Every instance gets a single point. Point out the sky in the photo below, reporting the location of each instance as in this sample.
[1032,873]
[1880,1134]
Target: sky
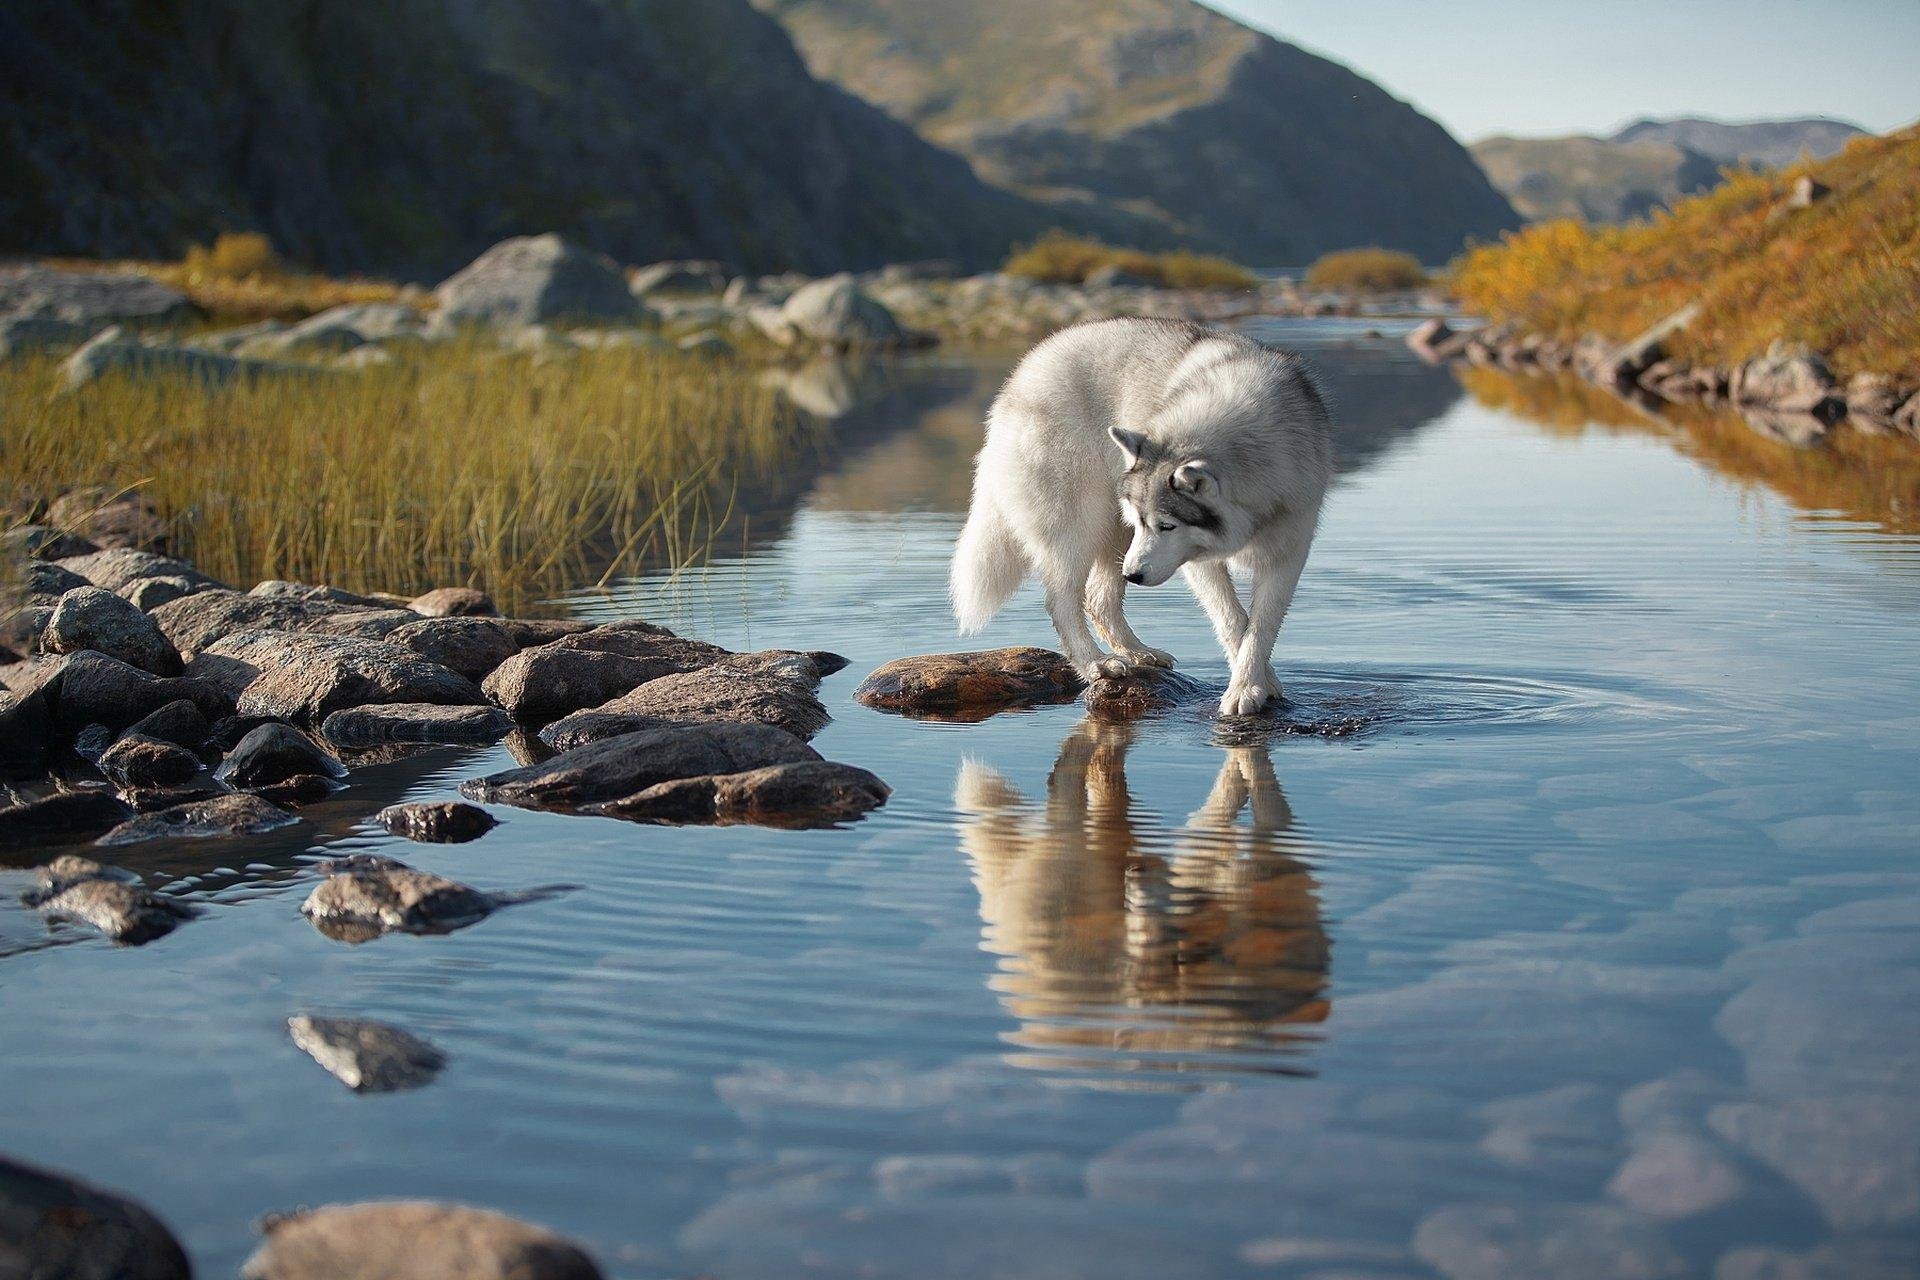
[1543,67]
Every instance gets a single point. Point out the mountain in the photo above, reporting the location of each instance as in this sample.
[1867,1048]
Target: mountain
[1594,179]
[1160,116]
[405,137]
[1768,144]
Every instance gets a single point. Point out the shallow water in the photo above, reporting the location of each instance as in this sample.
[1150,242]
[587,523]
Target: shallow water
[1585,917]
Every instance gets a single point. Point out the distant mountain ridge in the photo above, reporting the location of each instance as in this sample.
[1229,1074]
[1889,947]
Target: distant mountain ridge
[1645,166]
[1165,119]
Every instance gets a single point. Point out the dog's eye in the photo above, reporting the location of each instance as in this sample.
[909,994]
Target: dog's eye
[1168,526]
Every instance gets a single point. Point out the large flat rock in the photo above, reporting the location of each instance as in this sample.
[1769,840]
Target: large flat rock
[614,768]
[970,686]
[306,678]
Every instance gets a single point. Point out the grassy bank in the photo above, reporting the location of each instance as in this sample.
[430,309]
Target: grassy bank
[458,465]
[1841,275]
[240,278]
[1060,258]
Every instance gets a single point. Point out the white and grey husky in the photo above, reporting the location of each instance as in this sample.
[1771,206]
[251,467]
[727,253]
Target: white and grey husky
[1122,450]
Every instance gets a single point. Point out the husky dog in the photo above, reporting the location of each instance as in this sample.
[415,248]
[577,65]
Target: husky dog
[1123,450]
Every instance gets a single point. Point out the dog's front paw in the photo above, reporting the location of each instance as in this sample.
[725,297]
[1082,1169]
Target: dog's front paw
[1104,668]
[1248,699]
[1147,657]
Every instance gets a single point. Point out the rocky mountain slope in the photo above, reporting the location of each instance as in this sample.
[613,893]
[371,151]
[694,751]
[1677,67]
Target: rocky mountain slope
[406,137]
[1162,114]
[1770,144]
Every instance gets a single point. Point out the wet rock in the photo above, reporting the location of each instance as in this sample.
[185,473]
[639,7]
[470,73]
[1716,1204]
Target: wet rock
[238,814]
[441,822]
[195,622]
[300,789]
[540,685]
[96,689]
[536,280]
[1849,1259]
[179,722]
[1576,1242]
[775,688]
[366,895]
[358,728]
[1140,693]
[305,678]
[66,817]
[148,594]
[474,647]
[91,618]
[273,753]
[454,602]
[154,799]
[412,1240]
[55,1228]
[110,900]
[804,794]
[137,762]
[367,1057]
[122,566]
[94,741]
[970,686]
[1675,1174]
[615,768]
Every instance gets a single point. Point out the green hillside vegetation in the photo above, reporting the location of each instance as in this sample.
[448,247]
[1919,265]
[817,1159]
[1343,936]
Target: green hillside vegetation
[1841,276]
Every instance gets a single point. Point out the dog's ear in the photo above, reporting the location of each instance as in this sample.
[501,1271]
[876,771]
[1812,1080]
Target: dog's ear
[1192,477]
[1132,444]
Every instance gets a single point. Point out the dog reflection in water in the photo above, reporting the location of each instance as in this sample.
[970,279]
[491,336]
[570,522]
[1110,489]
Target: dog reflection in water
[1171,948]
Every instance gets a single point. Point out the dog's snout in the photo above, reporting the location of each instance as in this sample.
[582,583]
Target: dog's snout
[1136,577]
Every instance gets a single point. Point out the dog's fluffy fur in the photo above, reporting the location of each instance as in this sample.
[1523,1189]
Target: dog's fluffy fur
[1124,450]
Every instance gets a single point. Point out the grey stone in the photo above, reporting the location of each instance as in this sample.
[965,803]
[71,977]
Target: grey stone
[367,1057]
[540,685]
[56,1228]
[802,794]
[472,646]
[687,275]
[74,888]
[454,602]
[137,762]
[90,297]
[836,312]
[366,895]
[275,753]
[44,580]
[91,618]
[305,678]
[96,689]
[1567,1242]
[536,280]
[775,687]
[118,567]
[179,722]
[111,353]
[412,1240]
[148,594]
[20,334]
[277,588]
[614,768]
[239,814]
[440,822]
[46,542]
[66,817]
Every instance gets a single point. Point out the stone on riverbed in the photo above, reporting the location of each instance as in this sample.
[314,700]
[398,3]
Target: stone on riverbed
[137,762]
[55,1227]
[775,687]
[575,672]
[367,1057]
[970,686]
[73,888]
[93,618]
[274,753]
[615,768]
[474,647]
[454,602]
[358,728]
[438,822]
[238,814]
[67,817]
[809,793]
[305,678]
[412,1240]
[366,895]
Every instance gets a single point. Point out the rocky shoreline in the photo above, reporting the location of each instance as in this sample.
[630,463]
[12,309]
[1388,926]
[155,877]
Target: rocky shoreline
[1789,394]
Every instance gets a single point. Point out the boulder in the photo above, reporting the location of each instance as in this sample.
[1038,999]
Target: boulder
[1141,692]
[1874,397]
[66,817]
[437,822]
[237,814]
[111,353]
[274,753]
[775,687]
[305,678]
[1907,417]
[154,799]
[20,334]
[148,594]
[358,728]
[706,345]
[970,686]
[540,685]
[373,321]
[683,276]
[367,1057]
[1787,379]
[1621,366]
[60,1229]
[45,541]
[119,567]
[114,518]
[537,280]
[21,629]
[366,895]
[90,618]
[90,298]
[1807,191]
[45,582]
[531,633]
[472,646]
[279,588]
[836,312]
[454,602]
[300,789]
[179,722]
[96,689]
[614,768]
[803,794]
[137,763]
[412,1240]
[110,900]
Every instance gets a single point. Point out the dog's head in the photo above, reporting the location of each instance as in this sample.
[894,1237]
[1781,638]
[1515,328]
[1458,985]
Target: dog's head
[1172,506]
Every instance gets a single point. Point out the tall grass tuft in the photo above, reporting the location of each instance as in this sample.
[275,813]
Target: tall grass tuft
[1058,257]
[1367,271]
[462,465]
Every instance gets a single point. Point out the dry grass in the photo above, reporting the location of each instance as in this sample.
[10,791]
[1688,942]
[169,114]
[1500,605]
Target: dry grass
[1367,271]
[1061,258]
[1842,276]
[461,466]
[240,278]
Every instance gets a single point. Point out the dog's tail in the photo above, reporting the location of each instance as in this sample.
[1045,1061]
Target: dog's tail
[987,567]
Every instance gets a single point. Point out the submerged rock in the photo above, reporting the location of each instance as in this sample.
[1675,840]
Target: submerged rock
[274,753]
[357,728]
[454,602]
[412,1240]
[615,768]
[238,814]
[367,1057]
[305,678]
[540,685]
[437,822]
[366,895]
[110,900]
[970,686]
[67,817]
[808,793]
[775,688]
[137,762]
[55,1228]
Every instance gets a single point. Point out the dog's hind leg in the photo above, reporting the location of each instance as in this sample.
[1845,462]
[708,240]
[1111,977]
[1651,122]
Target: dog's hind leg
[1106,590]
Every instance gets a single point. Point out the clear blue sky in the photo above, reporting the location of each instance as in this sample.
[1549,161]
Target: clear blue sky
[1555,66]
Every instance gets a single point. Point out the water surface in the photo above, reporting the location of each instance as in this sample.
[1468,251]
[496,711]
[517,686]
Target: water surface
[1584,916]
